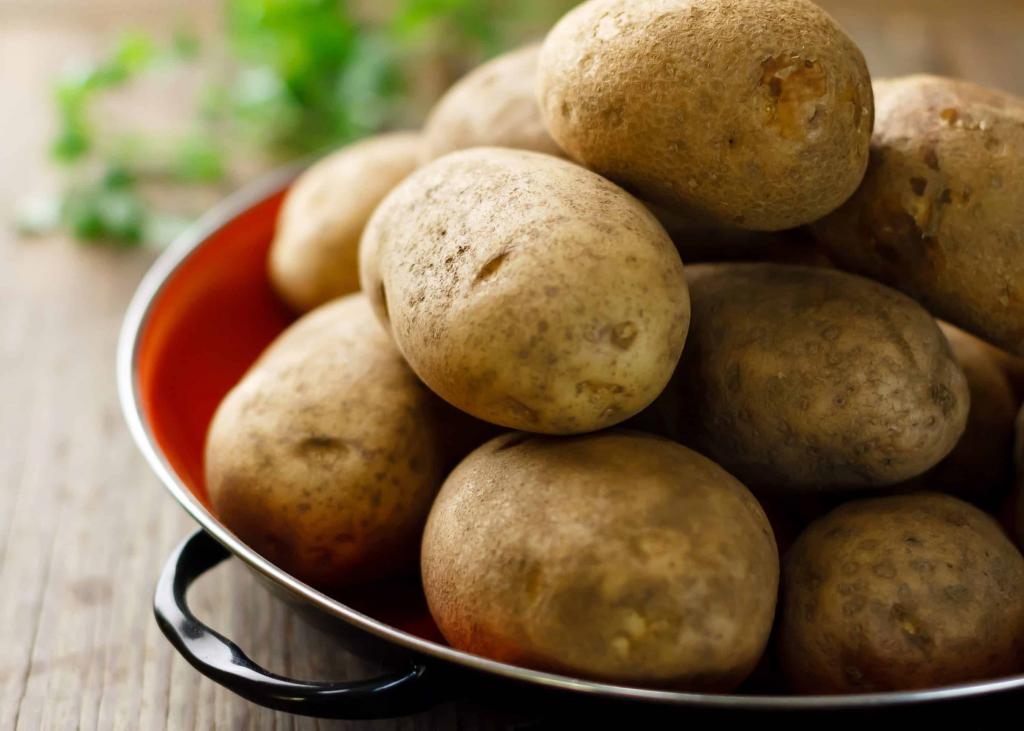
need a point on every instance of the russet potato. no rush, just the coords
(618, 556)
(326, 456)
(897, 593)
(528, 291)
(746, 113)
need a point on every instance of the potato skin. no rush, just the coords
(901, 592)
(752, 114)
(940, 214)
(1018, 515)
(798, 379)
(326, 456)
(1016, 501)
(528, 291)
(980, 467)
(315, 253)
(370, 281)
(649, 564)
(495, 105)
(1013, 367)
(698, 244)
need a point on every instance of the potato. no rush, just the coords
(902, 592)
(326, 456)
(370, 281)
(980, 467)
(750, 113)
(494, 106)
(799, 379)
(529, 292)
(1018, 514)
(649, 564)
(1016, 502)
(709, 244)
(1013, 367)
(941, 212)
(314, 256)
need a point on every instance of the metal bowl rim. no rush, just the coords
(135, 321)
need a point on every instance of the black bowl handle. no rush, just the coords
(223, 661)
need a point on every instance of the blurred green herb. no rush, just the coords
(301, 76)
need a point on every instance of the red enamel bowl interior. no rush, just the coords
(211, 319)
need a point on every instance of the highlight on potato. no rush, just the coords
(521, 262)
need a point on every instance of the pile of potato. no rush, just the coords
(569, 430)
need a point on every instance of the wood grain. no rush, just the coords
(84, 525)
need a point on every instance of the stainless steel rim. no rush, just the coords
(128, 388)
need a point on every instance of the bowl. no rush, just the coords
(200, 317)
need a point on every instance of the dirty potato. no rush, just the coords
(326, 456)
(798, 379)
(895, 593)
(749, 113)
(649, 564)
(528, 291)
(940, 214)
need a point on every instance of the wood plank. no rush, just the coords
(84, 526)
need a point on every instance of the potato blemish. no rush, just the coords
(796, 88)
(624, 334)
(488, 270)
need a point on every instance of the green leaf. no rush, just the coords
(198, 160)
(109, 209)
(38, 215)
(71, 144)
(185, 46)
(303, 75)
(133, 54)
(118, 177)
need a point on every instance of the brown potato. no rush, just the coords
(1016, 501)
(528, 291)
(314, 256)
(980, 467)
(648, 564)
(1013, 367)
(940, 214)
(698, 244)
(370, 281)
(326, 456)
(798, 379)
(751, 114)
(1018, 515)
(894, 593)
(494, 106)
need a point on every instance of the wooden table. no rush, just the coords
(85, 527)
